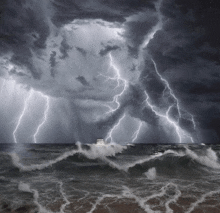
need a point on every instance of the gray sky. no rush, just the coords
(140, 71)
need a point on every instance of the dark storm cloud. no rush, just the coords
(136, 30)
(82, 80)
(22, 30)
(108, 49)
(110, 10)
(64, 48)
(188, 49)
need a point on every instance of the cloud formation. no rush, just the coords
(62, 48)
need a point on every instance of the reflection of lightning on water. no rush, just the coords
(180, 132)
(135, 135)
(44, 118)
(109, 136)
(22, 115)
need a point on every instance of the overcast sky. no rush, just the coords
(141, 71)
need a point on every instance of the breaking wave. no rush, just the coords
(94, 156)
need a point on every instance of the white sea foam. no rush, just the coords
(152, 157)
(172, 200)
(151, 173)
(93, 153)
(67, 202)
(103, 152)
(202, 199)
(100, 199)
(210, 159)
(26, 188)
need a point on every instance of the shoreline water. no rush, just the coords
(86, 178)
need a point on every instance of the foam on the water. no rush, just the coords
(93, 153)
(151, 173)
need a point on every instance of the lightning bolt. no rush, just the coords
(173, 95)
(135, 135)
(168, 87)
(44, 118)
(193, 121)
(121, 82)
(166, 116)
(22, 115)
(157, 27)
(109, 136)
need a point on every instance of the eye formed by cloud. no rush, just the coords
(15, 72)
(82, 80)
(82, 51)
(108, 49)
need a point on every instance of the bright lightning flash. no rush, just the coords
(172, 94)
(109, 136)
(168, 87)
(180, 132)
(135, 135)
(44, 118)
(121, 82)
(22, 115)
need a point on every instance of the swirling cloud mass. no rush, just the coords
(128, 71)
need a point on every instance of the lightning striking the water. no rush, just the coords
(109, 136)
(180, 132)
(22, 115)
(135, 135)
(44, 118)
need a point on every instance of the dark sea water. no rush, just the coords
(109, 179)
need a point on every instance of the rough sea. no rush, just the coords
(49, 178)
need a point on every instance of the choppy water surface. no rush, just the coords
(109, 179)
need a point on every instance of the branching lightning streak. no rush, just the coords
(22, 115)
(120, 81)
(109, 136)
(173, 95)
(44, 118)
(157, 27)
(168, 87)
(178, 130)
(135, 135)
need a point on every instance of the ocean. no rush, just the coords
(49, 178)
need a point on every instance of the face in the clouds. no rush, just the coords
(87, 62)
